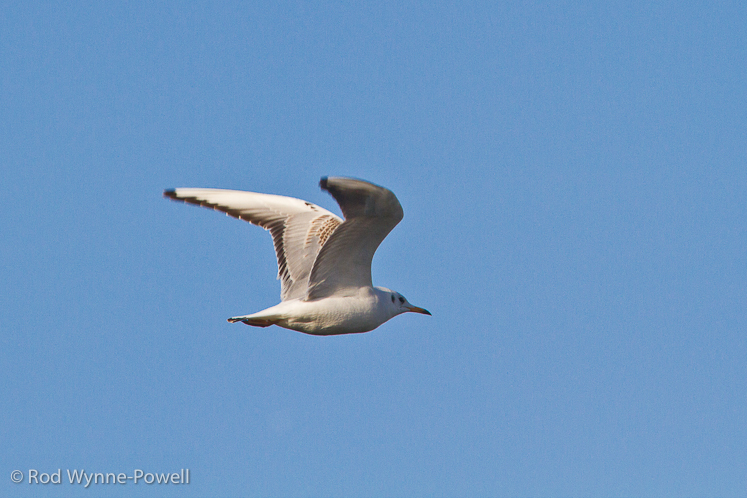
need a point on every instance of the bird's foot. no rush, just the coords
(254, 322)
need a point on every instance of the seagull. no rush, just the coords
(324, 263)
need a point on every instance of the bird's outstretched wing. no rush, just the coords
(299, 229)
(344, 262)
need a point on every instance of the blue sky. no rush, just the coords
(574, 182)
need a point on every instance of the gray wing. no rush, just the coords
(344, 262)
(298, 228)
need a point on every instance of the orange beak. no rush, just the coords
(415, 309)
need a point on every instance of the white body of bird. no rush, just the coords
(364, 310)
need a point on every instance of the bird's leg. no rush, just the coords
(254, 322)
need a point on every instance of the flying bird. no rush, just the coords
(324, 263)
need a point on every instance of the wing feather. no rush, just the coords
(344, 261)
(295, 226)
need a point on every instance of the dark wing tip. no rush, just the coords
(170, 193)
(323, 183)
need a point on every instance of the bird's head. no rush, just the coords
(398, 304)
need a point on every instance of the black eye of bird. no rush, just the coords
(401, 299)
(392, 297)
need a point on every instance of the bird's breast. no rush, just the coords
(337, 315)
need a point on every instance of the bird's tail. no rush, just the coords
(264, 318)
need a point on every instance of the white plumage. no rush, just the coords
(324, 263)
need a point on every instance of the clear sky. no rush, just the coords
(574, 181)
